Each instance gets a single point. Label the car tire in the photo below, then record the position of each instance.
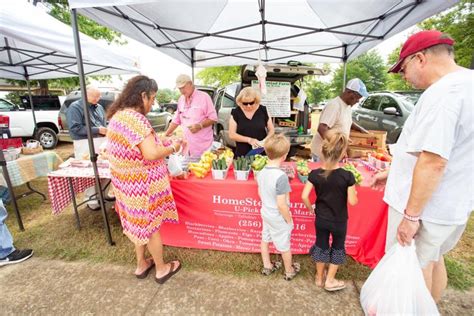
(47, 137)
(170, 110)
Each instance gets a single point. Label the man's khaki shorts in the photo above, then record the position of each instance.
(432, 240)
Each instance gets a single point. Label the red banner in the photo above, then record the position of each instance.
(225, 215)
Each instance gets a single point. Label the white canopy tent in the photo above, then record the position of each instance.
(234, 32)
(205, 33)
(35, 45)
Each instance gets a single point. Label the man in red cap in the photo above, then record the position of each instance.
(429, 188)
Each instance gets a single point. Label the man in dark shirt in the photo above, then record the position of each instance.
(78, 131)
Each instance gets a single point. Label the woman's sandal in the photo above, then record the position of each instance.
(275, 266)
(144, 274)
(172, 271)
(339, 286)
(291, 275)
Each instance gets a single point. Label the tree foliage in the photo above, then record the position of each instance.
(458, 22)
(368, 67)
(166, 96)
(396, 81)
(317, 90)
(219, 76)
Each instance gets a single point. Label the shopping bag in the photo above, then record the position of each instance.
(175, 165)
(397, 287)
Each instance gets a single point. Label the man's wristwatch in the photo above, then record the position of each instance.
(410, 217)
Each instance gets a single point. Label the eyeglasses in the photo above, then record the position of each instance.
(402, 69)
(248, 103)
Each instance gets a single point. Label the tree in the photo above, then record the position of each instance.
(368, 67)
(219, 76)
(396, 81)
(458, 22)
(317, 91)
(166, 96)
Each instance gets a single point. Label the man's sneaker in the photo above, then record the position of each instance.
(16, 257)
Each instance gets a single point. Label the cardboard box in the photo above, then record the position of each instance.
(376, 139)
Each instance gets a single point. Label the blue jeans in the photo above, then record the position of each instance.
(6, 241)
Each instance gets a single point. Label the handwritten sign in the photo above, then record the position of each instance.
(277, 99)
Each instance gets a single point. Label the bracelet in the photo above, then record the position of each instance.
(173, 149)
(410, 217)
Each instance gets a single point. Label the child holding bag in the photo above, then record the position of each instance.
(334, 188)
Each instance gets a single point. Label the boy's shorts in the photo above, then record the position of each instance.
(276, 230)
(432, 240)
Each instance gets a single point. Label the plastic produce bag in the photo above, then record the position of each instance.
(397, 287)
(175, 165)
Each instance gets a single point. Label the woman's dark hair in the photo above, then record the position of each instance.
(131, 96)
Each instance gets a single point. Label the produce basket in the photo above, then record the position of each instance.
(302, 178)
(11, 154)
(32, 147)
(219, 174)
(241, 175)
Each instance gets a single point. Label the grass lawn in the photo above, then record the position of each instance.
(56, 237)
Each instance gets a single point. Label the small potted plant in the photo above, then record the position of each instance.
(241, 169)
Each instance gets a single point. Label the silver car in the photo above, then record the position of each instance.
(384, 111)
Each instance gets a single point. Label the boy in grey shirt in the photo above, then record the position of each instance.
(274, 191)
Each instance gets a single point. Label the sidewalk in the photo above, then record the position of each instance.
(51, 287)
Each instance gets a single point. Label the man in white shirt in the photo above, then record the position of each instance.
(430, 185)
(337, 115)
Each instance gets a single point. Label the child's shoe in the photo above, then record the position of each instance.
(290, 275)
(275, 266)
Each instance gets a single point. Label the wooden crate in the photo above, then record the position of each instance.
(376, 139)
(358, 152)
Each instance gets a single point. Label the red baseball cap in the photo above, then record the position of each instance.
(419, 41)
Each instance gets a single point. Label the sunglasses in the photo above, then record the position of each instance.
(402, 69)
(248, 103)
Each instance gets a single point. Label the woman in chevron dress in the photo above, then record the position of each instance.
(139, 174)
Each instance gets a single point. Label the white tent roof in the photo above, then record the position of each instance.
(32, 39)
(229, 32)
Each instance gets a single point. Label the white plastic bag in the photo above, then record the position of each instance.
(397, 287)
(175, 165)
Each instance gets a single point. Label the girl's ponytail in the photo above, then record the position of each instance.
(333, 147)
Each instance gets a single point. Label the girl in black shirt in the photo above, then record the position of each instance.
(249, 123)
(334, 188)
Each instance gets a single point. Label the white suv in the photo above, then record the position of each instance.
(22, 124)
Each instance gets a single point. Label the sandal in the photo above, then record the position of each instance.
(275, 266)
(144, 274)
(170, 273)
(291, 275)
(339, 286)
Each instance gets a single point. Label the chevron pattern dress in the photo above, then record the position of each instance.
(143, 194)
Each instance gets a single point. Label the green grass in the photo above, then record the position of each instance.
(56, 237)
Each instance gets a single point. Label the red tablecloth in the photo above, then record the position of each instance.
(225, 215)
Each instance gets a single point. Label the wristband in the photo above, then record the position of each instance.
(410, 217)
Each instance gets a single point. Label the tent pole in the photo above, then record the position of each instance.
(27, 77)
(344, 77)
(8, 182)
(93, 155)
(192, 63)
